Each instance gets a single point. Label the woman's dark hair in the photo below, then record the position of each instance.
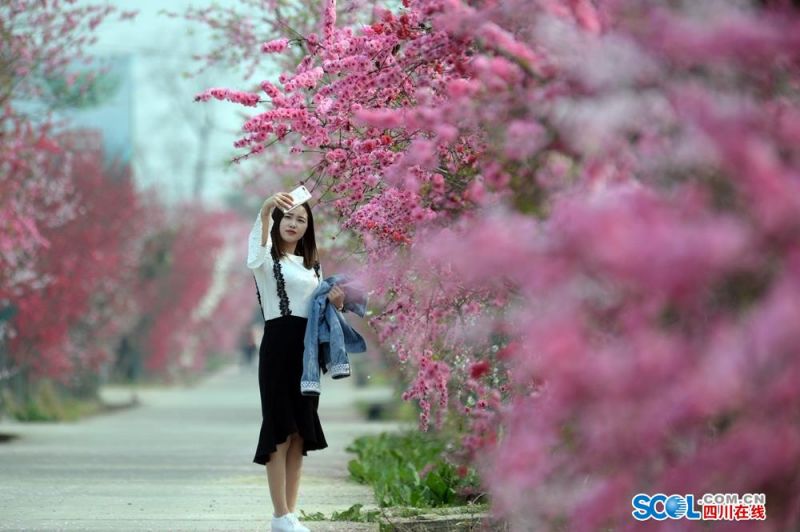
(306, 246)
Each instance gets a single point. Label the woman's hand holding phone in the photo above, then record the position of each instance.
(282, 200)
(285, 201)
(299, 196)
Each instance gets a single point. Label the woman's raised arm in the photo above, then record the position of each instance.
(260, 241)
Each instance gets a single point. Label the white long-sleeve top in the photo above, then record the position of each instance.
(299, 282)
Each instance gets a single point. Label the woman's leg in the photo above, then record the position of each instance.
(294, 461)
(276, 476)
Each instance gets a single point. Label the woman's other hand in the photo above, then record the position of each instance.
(336, 297)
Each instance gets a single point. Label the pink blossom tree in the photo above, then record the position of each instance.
(42, 48)
(74, 232)
(40, 43)
(580, 222)
(69, 314)
(189, 279)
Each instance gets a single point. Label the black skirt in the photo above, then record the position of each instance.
(284, 410)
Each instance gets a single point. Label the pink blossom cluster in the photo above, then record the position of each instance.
(245, 98)
(240, 26)
(45, 38)
(431, 382)
(307, 80)
(274, 46)
(581, 224)
(31, 195)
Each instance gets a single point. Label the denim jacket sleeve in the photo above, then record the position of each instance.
(353, 341)
(309, 382)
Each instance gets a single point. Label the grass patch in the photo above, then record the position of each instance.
(387, 516)
(407, 469)
(47, 403)
(354, 514)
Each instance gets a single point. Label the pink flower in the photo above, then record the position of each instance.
(329, 19)
(523, 139)
(479, 369)
(384, 118)
(271, 90)
(244, 98)
(459, 88)
(306, 80)
(336, 155)
(275, 46)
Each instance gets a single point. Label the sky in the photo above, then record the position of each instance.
(164, 120)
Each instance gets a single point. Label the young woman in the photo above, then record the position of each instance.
(283, 257)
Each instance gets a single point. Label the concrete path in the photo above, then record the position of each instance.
(182, 460)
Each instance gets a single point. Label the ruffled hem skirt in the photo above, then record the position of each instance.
(284, 410)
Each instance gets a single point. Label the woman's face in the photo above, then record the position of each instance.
(294, 224)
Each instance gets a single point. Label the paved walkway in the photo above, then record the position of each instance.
(182, 460)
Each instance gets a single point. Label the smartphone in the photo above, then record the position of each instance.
(299, 196)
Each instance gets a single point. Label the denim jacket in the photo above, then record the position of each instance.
(328, 336)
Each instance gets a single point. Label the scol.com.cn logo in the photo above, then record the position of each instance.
(713, 507)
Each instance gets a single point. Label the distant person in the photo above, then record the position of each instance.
(247, 346)
(283, 257)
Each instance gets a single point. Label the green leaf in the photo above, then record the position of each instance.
(351, 514)
(357, 471)
(437, 485)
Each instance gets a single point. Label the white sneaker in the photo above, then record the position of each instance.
(283, 523)
(298, 526)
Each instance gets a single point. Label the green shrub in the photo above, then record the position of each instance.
(48, 402)
(44, 404)
(407, 469)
